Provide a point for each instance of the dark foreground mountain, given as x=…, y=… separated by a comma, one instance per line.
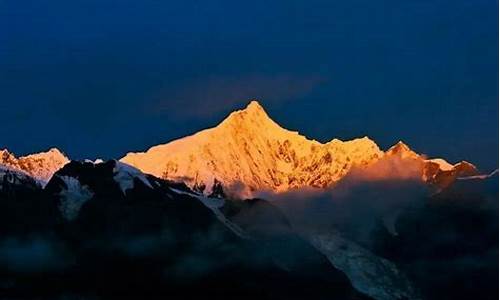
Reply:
x=107, y=231
x=393, y=238
x=449, y=245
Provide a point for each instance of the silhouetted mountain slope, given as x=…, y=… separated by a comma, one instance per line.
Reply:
x=448, y=245
x=107, y=231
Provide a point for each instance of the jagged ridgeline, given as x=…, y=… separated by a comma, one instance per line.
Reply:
x=248, y=152
x=344, y=220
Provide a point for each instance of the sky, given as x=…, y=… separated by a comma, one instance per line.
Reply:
x=100, y=78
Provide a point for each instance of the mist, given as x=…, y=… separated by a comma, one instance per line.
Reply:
x=358, y=204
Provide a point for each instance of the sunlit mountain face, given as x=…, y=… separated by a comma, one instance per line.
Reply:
x=40, y=166
x=249, y=153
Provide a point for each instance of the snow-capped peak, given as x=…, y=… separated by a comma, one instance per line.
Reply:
x=43, y=165
x=249, y=152
x=402, y=149
x=40, y=166
x=248, y=148
x=254, y=105
x=253, y=117
x=443, y=164
x=53, y=154
x=6, y=157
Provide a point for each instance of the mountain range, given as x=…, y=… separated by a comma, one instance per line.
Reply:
x=248, y=152
x=40, y=166
x=341, y=220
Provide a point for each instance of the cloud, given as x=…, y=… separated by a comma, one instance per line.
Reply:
x=222, y=94
x=358, y=204
x=33, y=254
x=387, y=168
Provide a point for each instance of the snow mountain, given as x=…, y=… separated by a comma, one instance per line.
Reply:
x=249, y=152
x=40, y=166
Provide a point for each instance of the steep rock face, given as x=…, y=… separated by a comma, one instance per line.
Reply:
x=249, y=152
x=41, y=166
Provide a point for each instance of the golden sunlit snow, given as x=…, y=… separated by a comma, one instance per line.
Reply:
x=248, y=151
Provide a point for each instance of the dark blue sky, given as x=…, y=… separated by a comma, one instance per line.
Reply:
x=98, y=78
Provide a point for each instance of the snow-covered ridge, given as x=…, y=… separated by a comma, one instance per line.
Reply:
x=443, y=164
x=41, y=166
x=124, y=175
x=251, y=152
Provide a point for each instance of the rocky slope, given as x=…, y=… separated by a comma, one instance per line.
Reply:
x=249, y=152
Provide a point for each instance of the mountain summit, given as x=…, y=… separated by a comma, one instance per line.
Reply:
x=41, y=166
x=248, y=152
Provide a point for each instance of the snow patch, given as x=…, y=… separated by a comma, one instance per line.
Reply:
x=95, y=162
x=16, y=177
x=73, y=197
x=372, y=275
x=125, y=174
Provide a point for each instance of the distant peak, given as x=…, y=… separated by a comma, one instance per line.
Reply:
x=52, y=152
x=5, y=155
x=402, y=144
x=56, y=151
x=254, y=105
x=399, y=147
x=255, y=109
x=253, y=113
x=5, y=151
x=402, y=150
x=465, y=165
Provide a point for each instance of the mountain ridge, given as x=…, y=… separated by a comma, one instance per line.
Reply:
x=40, y=166
x=249, y=152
